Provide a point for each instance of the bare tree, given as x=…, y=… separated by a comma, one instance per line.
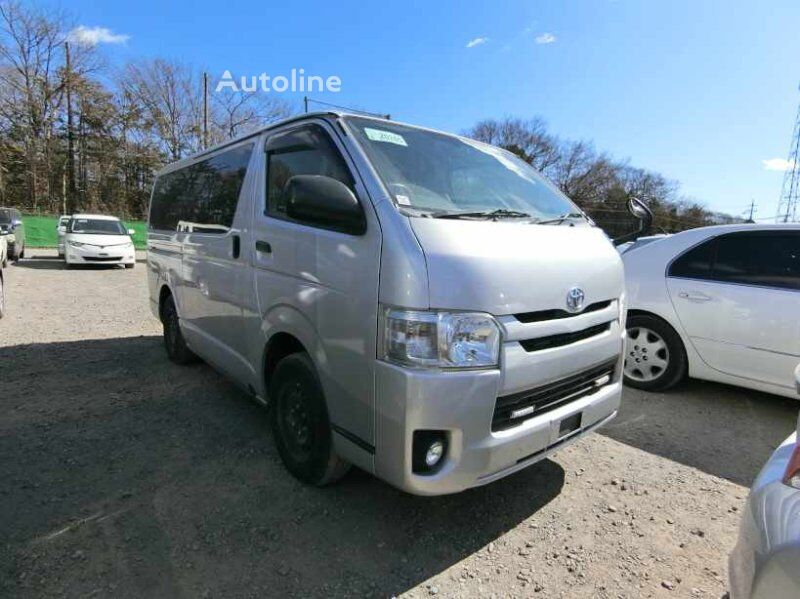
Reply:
x=170, y=94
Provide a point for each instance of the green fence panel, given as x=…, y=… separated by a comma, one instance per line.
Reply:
x=40, y=231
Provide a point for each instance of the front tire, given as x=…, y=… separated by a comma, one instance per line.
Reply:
x=174, y=343
x=655, y=359
x=300, y=424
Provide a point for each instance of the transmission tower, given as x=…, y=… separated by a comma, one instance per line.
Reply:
x=790, y=194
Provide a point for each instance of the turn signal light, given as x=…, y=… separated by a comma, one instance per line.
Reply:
x=792, y=475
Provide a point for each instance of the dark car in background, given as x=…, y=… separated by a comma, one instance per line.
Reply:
x=13, y=229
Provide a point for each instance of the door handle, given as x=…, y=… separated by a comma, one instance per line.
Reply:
x=694, y=297
x=263, y=247
x=237, y=246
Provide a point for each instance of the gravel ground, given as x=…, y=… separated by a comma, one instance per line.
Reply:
x=124, y=475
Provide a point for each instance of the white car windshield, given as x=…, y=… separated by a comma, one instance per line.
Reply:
x=93, y=226
x=447, y=175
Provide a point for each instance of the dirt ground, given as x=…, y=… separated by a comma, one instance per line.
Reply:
x=123, y=475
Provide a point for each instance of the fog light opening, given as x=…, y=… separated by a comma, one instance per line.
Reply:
x=429, y=451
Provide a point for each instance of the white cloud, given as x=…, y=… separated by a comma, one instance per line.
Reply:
x=545, y=38
x=778, y=164
x=477, y=42
x=91, y=36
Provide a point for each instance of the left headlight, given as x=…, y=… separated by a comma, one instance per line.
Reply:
x=76, y=244
x=437, y=339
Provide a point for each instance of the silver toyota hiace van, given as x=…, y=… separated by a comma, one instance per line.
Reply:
x=424, y=306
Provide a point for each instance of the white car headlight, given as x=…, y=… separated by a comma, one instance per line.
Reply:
x=437, y=339
x=77, y=244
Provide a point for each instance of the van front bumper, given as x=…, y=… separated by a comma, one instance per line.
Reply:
x=462, y=404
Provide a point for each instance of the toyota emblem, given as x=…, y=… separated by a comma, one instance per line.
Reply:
x=575, y=299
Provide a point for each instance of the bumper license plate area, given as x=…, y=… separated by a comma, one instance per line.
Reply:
x=569, y=425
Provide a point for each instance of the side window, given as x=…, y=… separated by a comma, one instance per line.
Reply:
x=304, y=151
x=217, y=185
x=769, y=258
x=696, y=263
x=201, y=197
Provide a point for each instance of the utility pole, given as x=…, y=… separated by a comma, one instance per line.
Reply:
x=305, y=103
x=69, y=203
x=205, y=110
x=752, y=210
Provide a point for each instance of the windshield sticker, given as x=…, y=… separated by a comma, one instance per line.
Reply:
x=404, y=200
x=385, y=136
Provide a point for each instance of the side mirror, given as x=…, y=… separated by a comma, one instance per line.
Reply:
x=645, y=217
x=131, y=232
x=324, y=202
x=15, y=223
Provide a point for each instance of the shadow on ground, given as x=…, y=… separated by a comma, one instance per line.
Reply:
x=48, y=263
x=720, y=429
x=125, y=475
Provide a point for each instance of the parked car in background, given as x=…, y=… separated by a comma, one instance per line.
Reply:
x=427, y=307
x=3, y=251
x=718, y=303
x=61, y=231
x=13, y=229
x=764, y=563
x=3, y=263
x=98, y=239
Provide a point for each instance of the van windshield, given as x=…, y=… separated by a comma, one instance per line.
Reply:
x=92, y=226
x=440, y=174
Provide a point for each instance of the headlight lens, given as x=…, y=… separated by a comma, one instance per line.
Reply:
x=440, y=339
x=76, y=244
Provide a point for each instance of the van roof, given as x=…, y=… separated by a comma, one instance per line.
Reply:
x=95, y=216
x=296, y=118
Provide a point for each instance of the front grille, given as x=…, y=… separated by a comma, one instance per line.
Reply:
x=512, y=410
x=541, y=315
x=101, y=258
x=550, y=341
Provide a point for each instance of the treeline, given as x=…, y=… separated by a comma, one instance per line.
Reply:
x=598, y=183
x=77, y=135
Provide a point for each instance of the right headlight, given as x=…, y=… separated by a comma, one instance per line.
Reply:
x=439, y=339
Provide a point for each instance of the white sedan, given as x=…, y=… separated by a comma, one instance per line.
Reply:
x=717, y=303
x=98, y=239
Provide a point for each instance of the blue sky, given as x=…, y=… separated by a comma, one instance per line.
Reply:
x=702, y=91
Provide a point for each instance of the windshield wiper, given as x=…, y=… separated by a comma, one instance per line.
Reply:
x=559, y=219
x=492, y=214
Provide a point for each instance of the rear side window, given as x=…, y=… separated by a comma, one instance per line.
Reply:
x=764, y=258
x=770, y=259
x=202, y=197
x=696, y=263
x=304, y=151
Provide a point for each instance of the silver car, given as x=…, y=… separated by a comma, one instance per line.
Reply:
x=424, y=306
x=766, y=560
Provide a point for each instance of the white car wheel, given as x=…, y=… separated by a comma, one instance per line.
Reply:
x=647, y=355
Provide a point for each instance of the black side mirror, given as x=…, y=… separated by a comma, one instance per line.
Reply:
x=324, y=202
x=645, y=217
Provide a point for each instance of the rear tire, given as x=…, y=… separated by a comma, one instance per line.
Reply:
x=655, y=359
x=300, y=423
x=22, y=253
x=174, y=343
